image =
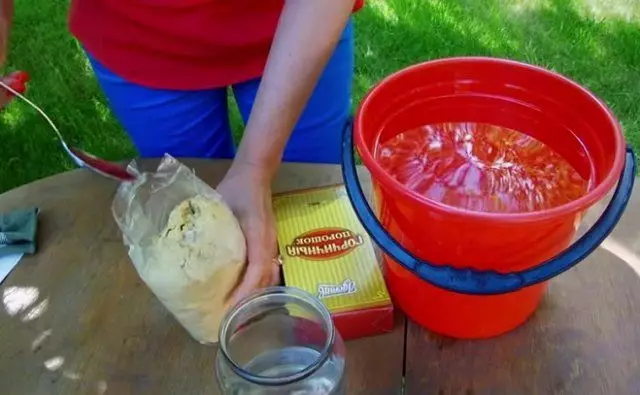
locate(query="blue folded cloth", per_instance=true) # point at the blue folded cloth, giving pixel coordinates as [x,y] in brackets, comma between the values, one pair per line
[18,231]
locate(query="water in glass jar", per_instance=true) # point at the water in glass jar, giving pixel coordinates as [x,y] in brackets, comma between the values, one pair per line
[327,380]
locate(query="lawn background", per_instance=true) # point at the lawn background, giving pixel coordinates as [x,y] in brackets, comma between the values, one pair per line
[595,42]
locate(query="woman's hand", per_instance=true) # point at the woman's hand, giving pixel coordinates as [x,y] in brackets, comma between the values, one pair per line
[247,190]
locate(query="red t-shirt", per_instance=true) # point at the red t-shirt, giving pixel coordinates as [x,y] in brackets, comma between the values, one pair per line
[179,44]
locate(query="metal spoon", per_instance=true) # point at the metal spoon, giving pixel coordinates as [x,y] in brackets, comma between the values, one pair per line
[80,157]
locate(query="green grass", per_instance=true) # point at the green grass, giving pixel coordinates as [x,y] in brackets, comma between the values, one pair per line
[595,42]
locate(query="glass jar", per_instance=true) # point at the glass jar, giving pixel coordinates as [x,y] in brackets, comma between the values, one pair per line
[280,340]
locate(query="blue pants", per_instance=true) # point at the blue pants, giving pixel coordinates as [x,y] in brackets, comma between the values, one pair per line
[196,123]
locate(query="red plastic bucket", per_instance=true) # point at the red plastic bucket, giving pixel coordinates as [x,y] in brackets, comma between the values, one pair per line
[471,274]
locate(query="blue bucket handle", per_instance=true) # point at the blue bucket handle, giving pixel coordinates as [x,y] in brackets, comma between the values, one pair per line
[478,282]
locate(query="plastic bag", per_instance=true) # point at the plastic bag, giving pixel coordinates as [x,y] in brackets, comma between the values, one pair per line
[184,242]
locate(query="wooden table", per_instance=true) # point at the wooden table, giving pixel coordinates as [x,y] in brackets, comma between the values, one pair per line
[90,326]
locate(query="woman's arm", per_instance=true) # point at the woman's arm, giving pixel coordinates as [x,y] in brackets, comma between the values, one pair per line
[307,35]
[6,18]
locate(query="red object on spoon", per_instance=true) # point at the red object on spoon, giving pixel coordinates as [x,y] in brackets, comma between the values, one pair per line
[20,76]
[16,81]
[101,166]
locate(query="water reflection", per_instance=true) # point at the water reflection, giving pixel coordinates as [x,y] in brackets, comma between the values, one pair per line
[24,303]
[102,387]
[36,311]
[54,363]
[37,342]
[18,299]
[71,375]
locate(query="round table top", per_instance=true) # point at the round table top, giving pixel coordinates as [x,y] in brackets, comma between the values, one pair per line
[86,323]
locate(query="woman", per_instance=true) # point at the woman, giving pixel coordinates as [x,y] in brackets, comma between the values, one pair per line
[164,66]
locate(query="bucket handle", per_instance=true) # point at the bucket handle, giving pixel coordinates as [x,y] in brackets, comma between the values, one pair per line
[478,282]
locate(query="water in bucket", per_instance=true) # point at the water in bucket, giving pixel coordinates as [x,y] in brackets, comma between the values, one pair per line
[481,167]
[476,211]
